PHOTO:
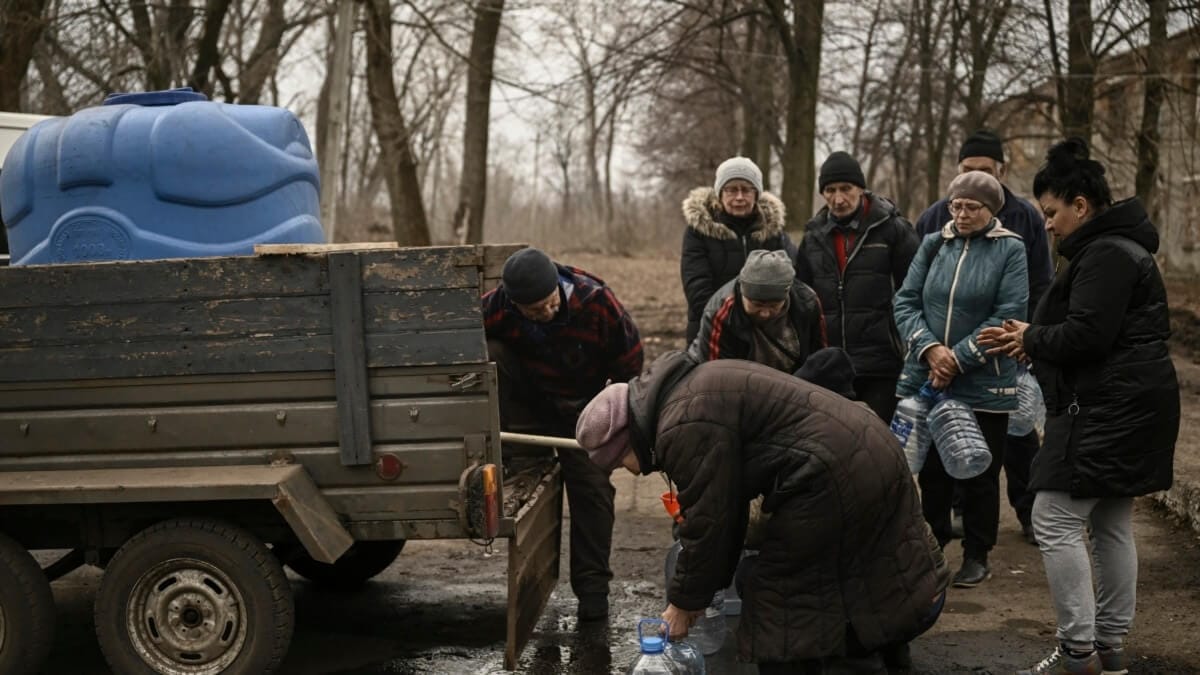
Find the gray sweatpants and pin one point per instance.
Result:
(1084, 616)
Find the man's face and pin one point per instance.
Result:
(738, 197)
(543, 310)
(985, 164)
(842, 198)
(762, 311)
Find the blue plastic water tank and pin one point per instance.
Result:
(159, 175)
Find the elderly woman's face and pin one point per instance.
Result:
(969, 215)
(738, 197)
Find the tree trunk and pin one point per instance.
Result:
(472, 187)
(1156, 88)
(207, 54)
(21, 25)
(801, 40)
(400, 168)
(1077, 112)
(264, 57)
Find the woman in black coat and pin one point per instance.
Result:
(1098, 343)
(725, 223)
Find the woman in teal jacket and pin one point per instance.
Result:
(967, 277)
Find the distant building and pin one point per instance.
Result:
(1030, 123)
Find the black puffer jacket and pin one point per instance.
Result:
(713, 252)
(846, 541)
(858, 304)
(1099, 349)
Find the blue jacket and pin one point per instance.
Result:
(1018, 216)
(955, 287)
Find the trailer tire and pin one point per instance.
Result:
(361, 562)
(194, 597)
(26, 611)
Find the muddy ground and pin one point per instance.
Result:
(440, 608)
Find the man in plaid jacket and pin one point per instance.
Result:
(558, 335)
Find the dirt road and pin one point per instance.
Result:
(440, 608)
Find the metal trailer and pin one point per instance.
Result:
(191, 426)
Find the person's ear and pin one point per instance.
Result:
(1081, 207)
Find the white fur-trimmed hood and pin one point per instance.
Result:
(702, 203)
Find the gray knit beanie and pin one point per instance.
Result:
(767, 276)
(738, 167)
(980, 186)
(529, 276)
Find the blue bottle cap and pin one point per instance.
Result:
(652, 644)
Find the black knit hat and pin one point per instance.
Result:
(830, 368)
(840, 167)
(529, 275)
(982, 143)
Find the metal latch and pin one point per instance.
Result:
(465, 382)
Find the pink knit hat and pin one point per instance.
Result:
(603, 427)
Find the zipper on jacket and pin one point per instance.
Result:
(842, 307)
(1073, 409)
(954, 285)
(841, 274)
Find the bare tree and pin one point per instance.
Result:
(472, 193)
(800, 37)
(1148, 136)
(399, 165)
(21, 25)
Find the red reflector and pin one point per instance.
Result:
(388, 467)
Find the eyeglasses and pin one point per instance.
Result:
(734, 190)
(968, 208)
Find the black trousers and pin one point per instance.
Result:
(980, 495)
(1018, 456)
(524, 408)
(879, 393)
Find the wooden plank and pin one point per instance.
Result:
(311, 518)
(235, 388)
(299, 249)
(256, 354)
(230, 277)
(100, 486)
(350, 359)
(533, 563)
(160, 280)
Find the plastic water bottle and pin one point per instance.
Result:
(1030, 414)
(708, 633)
(959, 441)
(653, 659)
(909, 426)
(689, 659)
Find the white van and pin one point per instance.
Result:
(12, 125)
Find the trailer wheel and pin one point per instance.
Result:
(194, 597)
(26, 611)
(363, 560)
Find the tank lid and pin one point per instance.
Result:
(155, 98)
(652, 644)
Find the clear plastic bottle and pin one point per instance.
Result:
(653, 659)
(910, 427)
(959, 441)
(709, 631)
(685, 655)
(1030, 414)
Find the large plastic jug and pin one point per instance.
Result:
(652, 659)
(1030, 414)
(910, 426)
(957, 436)
(686, 657)
(159, 175)
(708, 632)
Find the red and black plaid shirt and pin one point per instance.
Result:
(591, 339)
